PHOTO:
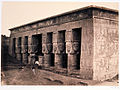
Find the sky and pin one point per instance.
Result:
(19, 13)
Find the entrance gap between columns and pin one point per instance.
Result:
(50, 42)
(26, 43)
(37, 42)
(19, 44)
(14, 47)
(37, 47)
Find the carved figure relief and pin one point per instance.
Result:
(54, 47)
(72, 47)
(49, 47)
(44, 48)
(75, 47)
(61, 47)
(68, 47)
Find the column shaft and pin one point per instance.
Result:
(24, 50)
(58, 60)
(29, 49)
(47, 59)
(72, 61)
(18, 50)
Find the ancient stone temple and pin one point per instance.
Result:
(83, 42)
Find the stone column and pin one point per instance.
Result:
(47, 58)
(12, 47)
(72, 62)
(55, 51)
(46, 49)
(72, 50)
(59, 50)
(30, 52)
(58, 60)
(18, 50)
(24, 50)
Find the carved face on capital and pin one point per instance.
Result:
(61, 47)
(43, 48)
(68, 47)
(75, 46)
(55, 48)
(49, 47)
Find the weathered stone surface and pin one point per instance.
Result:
(106, 49)
(47, 59)
(58, 60)
(72, 62)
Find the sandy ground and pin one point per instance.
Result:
(41, 77)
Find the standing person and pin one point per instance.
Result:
(33, 64)
(35, 67)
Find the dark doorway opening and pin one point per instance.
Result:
(14, 47)
(37, 44)
(50, 44)
(19, 46)
(52, 59)
(26, 40)
(64, 62)
(78, 61)
(26, 47)
(61, 36)
(49, 37)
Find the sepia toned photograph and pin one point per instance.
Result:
(60, 43)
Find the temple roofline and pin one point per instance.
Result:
(69, 12)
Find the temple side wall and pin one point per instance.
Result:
(105, 63)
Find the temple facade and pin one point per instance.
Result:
(83, 42)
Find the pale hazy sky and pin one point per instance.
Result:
(18, 13)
